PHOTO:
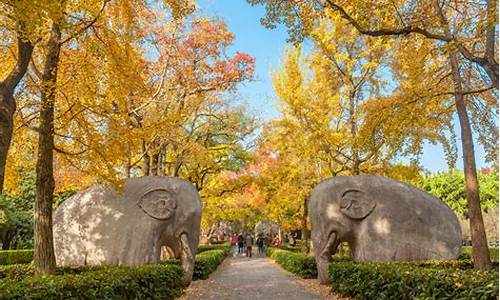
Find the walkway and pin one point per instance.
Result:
(259, 278)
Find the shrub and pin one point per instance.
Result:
(16, 272)
(204, 265)
(466, 253)
(421, 280)
(301, 264)
(142, 282)
(10, 257)
(21, 271)
(207, 261)
(289, 248)
(216, 242)
(203, 248)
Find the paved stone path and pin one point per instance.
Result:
(241, 278)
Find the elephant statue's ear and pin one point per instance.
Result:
(355, 204)
(159, 204)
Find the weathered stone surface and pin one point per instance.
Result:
(382, 220)
(101, 226)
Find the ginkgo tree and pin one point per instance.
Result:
(466, 33)
(153, 121)
(22, 24)
(327, 127)
(127, 88)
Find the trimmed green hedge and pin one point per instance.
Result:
(455, 279)
(297, 263)
(423, 280)
(10, 257)
(203, 248)
(159, 281)
(142, 282)
(289, 248)
(207, 261)
(218, 242)
(466, 253)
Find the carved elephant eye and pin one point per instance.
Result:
(159, 204)
(355, 204)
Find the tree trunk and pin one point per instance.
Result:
(146, 161)
(280, 235)
(353, 129)
(44, 243)
(492, 64)
(162, 160)
(304, 231)
(480, 252)
(175, 168)
(128, 167)
(7, 102)
(154, 164)
(7, 239)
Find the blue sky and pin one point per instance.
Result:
(267, 46)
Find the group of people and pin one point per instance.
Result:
(245, 242)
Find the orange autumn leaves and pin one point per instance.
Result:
(137, 83)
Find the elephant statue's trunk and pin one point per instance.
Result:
(324, 257)
(187, 259)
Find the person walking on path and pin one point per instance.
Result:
(234, 239)
(240, 243)
(249, 244)
(260, 244)
(267, 242)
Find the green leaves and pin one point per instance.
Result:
(450, 187)
(297, 263)
(16, 217)
(143, 282)
(10, 257)
(203, 248)
(208, 260)
(454, 279)
(412, 280)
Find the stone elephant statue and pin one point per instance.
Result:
(382, 220)
(100, 226)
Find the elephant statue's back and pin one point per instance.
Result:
(382, 220)
(103, 226)
(421, 225)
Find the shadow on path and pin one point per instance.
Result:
(241, 278)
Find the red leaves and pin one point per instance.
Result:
(195, 54)
(208, 36)
(238, 68)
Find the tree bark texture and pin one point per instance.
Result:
(44, 258)
(480, 252)
(162, 160)
(8, 103)
(304, 230)
(146, 161)
(154, 164)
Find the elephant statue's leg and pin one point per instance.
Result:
(324, 257)
(187, 259)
